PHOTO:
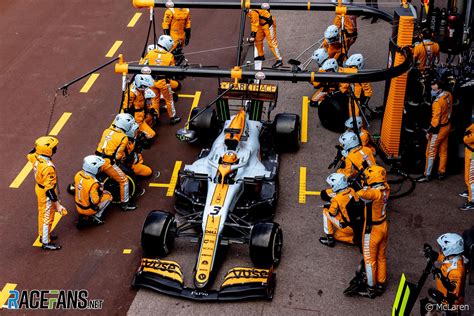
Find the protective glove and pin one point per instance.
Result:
(252, 37)
(60, 209)
(188, 36)
(430, 253)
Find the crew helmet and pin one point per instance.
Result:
(124, 121)
(265, 6)
(229, 157)
(349, 140)
(337, 181)
(451, 244)
(46, 145)
(143, 81)
(331, 34)
(350, 122)
(375, 175)
(166, 42)
(132, 131)
(355, 60)
(330, 65)
(92, 164)
(320, 56)
(149, 94)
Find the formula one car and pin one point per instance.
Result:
(227, 196)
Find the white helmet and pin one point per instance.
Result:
(355, 60)
(149, 94)
(330, 65)
(337, 181)
(331, 34)
(166, 42)
(350, 122)
(320, 55)
(265, 6)
(451, 244)
(348, 140)
(133, 129)
(151, 47)
(143, 81)
(343, 1)
(124, 121)
(92, 164)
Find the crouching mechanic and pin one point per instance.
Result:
(112, 148)
(91, 200)
(336, 217)
(448, 270)
(374, 242)
(324, 88)
(161, 56)
(133, 158)
(357, 157)
(134, 103)
(365, 137)
(46, 189)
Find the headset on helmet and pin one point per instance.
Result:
(337, 181)
(355, 60)
(451, 244)
(348, 140)
(124, 121)
(92, 164)
(330, 65)
(331, 34)
(229, 157)
(375, 175)
(350, 122)
(151, 47)
(320, 56)
(46, 145)
(133, 129)
(166, 42)
(143, 81)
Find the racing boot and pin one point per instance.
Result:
(278, 63)
(367, 291)
(464, 194)
(380, 289)
(129, 206)
(423, 179)
(468, 206)
(441, 176)
(262, 58)
(175, 120)
(50, 246)
(96, 220)
(328, 241)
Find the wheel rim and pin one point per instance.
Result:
(277, 246)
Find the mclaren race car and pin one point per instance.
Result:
(227, 196)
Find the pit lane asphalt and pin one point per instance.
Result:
(45, 46)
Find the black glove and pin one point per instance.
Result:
(166, 31)
(188, 36)
(430, 253)
(252, 37)
(324, 196)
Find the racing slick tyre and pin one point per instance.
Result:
(158, 234)
(205, 125)
(266, 243)
(287, 132)
(114, 188)
(332, 112)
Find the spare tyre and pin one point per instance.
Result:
(205, 125)
(333, 112)
(287, 132)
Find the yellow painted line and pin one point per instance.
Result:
(60, 124)
(159, 185)
(174, 178)
(197, 97)
(302, 187)
(127, 251)
(302, 191)
(5, 293)
(191, 96)
(57, 218)
(304, 120)
(16, 183)
(134, 19)
(114, 49)
(89, 83)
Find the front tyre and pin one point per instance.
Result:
(158, 233)
(287, 132)
(266, 243)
